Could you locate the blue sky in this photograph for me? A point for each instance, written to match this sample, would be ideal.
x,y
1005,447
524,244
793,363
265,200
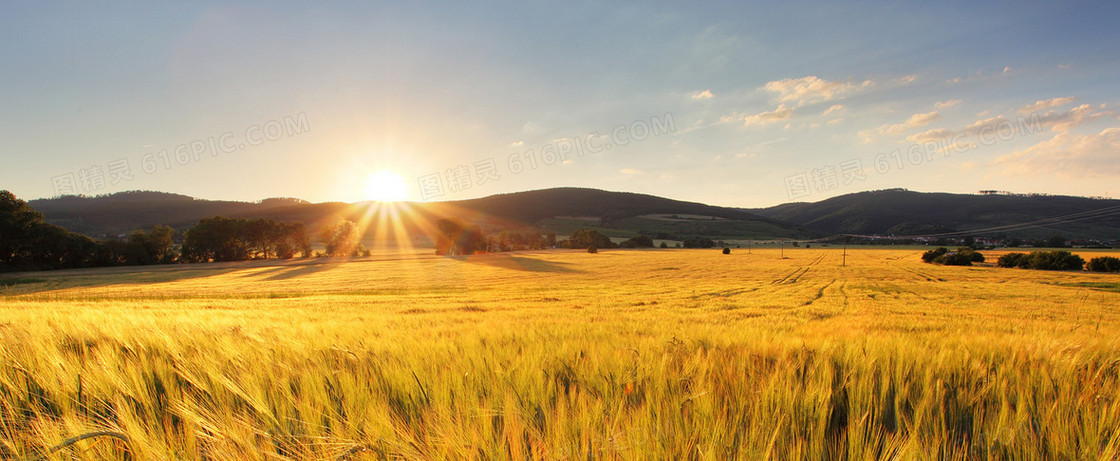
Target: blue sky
x,y
726,103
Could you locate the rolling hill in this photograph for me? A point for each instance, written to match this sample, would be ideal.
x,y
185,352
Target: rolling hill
x,y
623,214
904,212
562,210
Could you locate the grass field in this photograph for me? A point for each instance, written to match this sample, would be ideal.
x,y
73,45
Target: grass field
x,y
670,354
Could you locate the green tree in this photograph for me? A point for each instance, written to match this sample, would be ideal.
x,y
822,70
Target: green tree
x,y
153,247
17,222
583,238
217,239
28,242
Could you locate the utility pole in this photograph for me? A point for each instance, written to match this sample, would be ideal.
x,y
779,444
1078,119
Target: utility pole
x,y
783,249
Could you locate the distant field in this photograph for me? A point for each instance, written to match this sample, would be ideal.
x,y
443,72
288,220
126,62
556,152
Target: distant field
x,y
626,354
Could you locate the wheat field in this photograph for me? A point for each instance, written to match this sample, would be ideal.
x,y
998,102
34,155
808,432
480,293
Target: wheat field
x,y
557,355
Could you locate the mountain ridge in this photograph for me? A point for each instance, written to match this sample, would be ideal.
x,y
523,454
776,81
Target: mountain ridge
x,y
623,214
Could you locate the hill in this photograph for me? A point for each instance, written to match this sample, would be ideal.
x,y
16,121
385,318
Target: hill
x,y
904,212
561,210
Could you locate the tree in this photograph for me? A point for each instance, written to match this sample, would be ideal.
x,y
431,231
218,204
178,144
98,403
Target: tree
x,y
583,238
343,239
28,242
17,221
153,247
294,239
454,237
640,241
217,239
699,242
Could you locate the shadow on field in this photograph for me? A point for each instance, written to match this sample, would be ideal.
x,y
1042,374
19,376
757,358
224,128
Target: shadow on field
x,y
291,272
39,282
519,263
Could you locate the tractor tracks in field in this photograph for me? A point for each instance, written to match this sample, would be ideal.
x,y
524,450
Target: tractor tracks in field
x,y
724,293
820,294
929,278
792,277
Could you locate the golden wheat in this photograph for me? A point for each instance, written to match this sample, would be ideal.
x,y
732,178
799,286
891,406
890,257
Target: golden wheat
x,y
564,355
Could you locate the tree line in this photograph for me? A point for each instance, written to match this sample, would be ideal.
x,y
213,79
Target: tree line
x,y
28,242
455,237
1056,260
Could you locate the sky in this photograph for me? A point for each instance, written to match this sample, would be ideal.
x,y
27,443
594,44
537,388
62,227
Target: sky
x,y
727,103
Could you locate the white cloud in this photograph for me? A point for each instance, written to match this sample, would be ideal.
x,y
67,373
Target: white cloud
x,y
906,79
866,136
701,95
947,104
1080,115
1046,104
990,124
915,121
930,135
806,90
782,113
834,108
1068,155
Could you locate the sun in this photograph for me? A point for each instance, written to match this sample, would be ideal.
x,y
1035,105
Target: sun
x,y
386,186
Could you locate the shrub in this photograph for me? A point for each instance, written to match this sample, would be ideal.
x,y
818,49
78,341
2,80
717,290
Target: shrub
x,y
1104,264
726,250
971,254
930,255
592,249
954,259
1057,260
1012,260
